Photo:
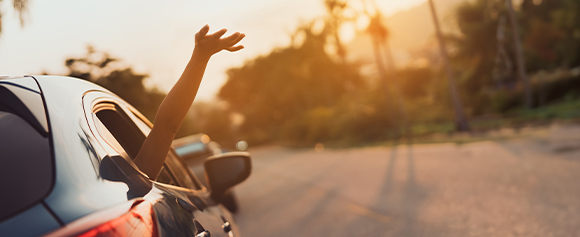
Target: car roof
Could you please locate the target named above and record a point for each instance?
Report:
(11, 77)
(195, 138)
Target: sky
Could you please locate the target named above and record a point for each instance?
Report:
(154, 37)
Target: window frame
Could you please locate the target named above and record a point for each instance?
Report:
(95, 101)
(147, 126)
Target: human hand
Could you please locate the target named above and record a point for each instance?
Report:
(208, 45)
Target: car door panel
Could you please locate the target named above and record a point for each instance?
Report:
(197, 211)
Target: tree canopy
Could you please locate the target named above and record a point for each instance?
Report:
(277, 88)
(111, 73)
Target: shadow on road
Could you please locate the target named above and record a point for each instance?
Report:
(399, 198)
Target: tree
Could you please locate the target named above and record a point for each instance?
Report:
(212, 118)
(380, 39)
(21, 6)
(460, 119)
(478, 49)
(337, 15)
(519, 55)
(111, 73)
(274, 90)
(480, 53)
(547, 22)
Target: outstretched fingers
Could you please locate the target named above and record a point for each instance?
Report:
(230, 42)
(235, 48)
(218, 33)
(214, 43)
(234, 38)
(238, 39)
(202, 32)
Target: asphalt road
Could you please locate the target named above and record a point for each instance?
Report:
(527, 186)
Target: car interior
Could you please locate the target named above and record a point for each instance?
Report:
(117, 127)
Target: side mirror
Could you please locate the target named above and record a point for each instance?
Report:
(225, 170)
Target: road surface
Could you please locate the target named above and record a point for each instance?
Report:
(527, 186)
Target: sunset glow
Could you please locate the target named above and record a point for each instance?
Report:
(154, 38)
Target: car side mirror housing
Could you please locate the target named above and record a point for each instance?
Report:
(226, 170)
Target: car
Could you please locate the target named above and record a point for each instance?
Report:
(66, 150)
(195, 150)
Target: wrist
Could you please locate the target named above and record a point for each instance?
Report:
(200, 55)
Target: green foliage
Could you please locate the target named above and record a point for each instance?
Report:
(301, 95)
(213, 119)
(109, 72)
(305, 93)
(477, 48)
(273, 90)
(114, 75)
(549, 22)
(415, 83)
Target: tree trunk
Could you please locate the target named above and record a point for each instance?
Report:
(460, 119)
(519, 55)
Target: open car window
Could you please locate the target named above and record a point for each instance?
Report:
(118, 129)
(125, 133)
(173, 165)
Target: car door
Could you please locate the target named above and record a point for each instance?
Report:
(182, 206)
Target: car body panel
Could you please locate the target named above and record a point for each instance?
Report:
(79, 193)
(27, 91)
(77, 189)
(20, 225)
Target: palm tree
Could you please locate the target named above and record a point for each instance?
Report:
(336, 17)
(380, 37)
(520, 62)
(460, 119)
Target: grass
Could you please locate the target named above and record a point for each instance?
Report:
(498, 127)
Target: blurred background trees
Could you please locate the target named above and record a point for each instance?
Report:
(302, 93)
(550, 42)
(312, 91)
(111, 73)
(118, 77)
(283, 93)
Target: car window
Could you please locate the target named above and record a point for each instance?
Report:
(118, 135)
(166, 177)
(194, 148)
(173, 164)
(117, 124)
(126, 135)
(180, 171)
(26, 164)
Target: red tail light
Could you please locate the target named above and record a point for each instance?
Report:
(138, 221)
(134, 218)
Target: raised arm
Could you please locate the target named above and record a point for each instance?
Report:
(177, 102)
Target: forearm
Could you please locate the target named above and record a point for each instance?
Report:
(174, 107)
(170, 115)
